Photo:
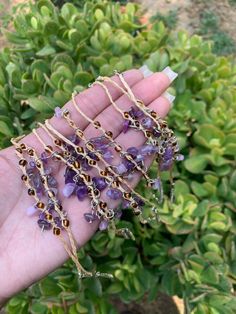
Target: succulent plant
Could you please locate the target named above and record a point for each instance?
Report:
(192, 253)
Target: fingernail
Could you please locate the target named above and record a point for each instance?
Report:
(145, 70)
(169, 97)
(170, 73)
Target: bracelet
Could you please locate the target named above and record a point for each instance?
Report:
(89, 171)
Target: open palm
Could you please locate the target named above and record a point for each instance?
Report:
(26, 253)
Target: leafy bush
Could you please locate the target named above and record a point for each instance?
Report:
(192, 252)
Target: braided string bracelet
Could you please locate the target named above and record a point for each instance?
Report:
(115, 180)
(157, 131)
(46, 211)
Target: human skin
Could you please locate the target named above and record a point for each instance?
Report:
(27, 254)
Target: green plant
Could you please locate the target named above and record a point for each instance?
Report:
(192, 252)
(170, 19)
(210, 29)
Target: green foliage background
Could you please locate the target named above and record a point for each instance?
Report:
(192, 252)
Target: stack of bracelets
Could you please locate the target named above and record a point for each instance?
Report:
(80, 155)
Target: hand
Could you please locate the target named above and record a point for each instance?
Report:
(27, 254)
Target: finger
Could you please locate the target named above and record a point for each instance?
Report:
(92, 101)
(147, 90)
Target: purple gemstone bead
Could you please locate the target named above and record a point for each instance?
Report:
(132, 151)
(52, 182)
(126, 125)
(166, 165)
(36, 182)
(74, 139)
(108, 156)
(139, 114)
(179, 157)
(85, 165)
(68, 189)
(128, 164)
(139, 158)
(30, 211)
(148, 149)
(69, 175)
(32, 164)
(44, 224)
(114, 194)
(121, 169)
(44, 157)
(99, 142)
(42, 215)
(147, 123)
(93, 156)
(89, 217)
(103, 225)
(81, 192)
(58, 112)
(156, 185)
(57, 221)
(100, 183)
(168, 154)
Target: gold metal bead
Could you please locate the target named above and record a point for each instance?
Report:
(57, 142)
(79, 150)
(127, 196)
(23, 162)
(153, 114)
(79, 133)
(103, 173)
(31, 192)
(48, 148)
(126, 115)
(92, 162)
(97, 124)
(24, 177)
(30, 151)
(148, 133)
(40, 205)
(19, 150)
(22, 146)
(108, 134)
(56, 231)
(90, 146)
(48, 217)
(65, 223)
(103, 205)
(118, 148)
(76, 164)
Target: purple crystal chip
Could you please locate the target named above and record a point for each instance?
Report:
(126, 125)
(103, 225)
(68, 189)
(81, 192)
(114, 194)
(148, 149)
(121, 169)
(147, 123)
(133, 151)
(44, 224)
(89, 217)
(100, 183)
(58, 112)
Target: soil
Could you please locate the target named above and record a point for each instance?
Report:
(190, 11)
